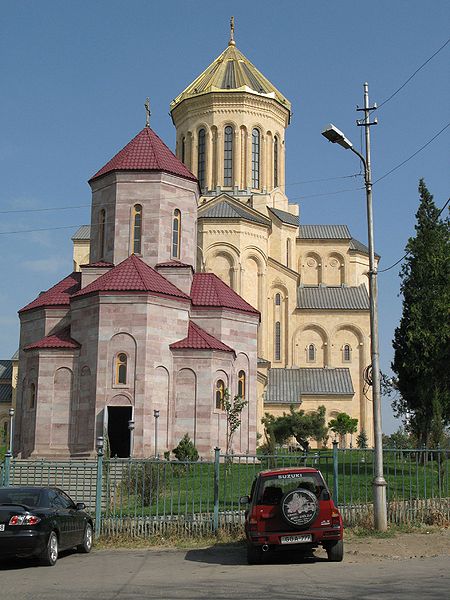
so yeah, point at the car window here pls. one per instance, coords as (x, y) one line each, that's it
(29, 497)
(65, 500)
(272, 488)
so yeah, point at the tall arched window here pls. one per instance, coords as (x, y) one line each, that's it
(220, 394)
(176, 234)
(277, 299)
(32, 395)
(311, 353)
(288, 253)
(201, 158)
(183, 150)
(101, 233)
(241, 384)
(121, 368)
(275, 161)
(255, 157)
(228, 157)
(346, 353)
(277, 340)
(137, 228)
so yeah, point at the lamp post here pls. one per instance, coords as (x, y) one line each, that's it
(131, 429)
(11, 429)
(156, 415)
(334, 135)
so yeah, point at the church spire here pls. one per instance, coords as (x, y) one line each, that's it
(147, 112)
(232, 42)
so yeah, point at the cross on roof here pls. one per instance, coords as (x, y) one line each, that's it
(148, 113)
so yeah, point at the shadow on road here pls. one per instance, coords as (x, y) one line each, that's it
(235, 554)
(14, 564)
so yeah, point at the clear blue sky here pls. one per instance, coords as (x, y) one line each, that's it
(75, 75)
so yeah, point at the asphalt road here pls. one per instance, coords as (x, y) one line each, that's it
(221, 573)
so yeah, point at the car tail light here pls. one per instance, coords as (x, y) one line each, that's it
(253, 521)
(335, 517)
(24, 520)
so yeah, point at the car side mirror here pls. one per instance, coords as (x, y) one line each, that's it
(244, 500)
(325, 495)
(80, 506)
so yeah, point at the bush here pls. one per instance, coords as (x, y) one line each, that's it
(147, 480)
(186, 451)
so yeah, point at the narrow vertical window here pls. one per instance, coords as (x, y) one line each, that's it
(32, 395)
(183, 150)
(346, 353)
(176, 234)
(311, 353)
(220, 394)
(275, 161)
(121, 368)
(241, 385)
(288, 253)
(228, 157)
(137, 229)
(255, 158)
(201, 158)
(278, 340)
(277, 299)
(101, 233)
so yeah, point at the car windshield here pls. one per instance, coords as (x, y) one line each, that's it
(28, 497)
(273, 487)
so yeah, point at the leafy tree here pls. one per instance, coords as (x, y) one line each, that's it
(186, 450)
(233, 410)
(362, 439)
(297, 424)
(422, 340)
(400, 439)
(343, 424)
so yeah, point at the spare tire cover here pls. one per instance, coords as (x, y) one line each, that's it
(299, 507)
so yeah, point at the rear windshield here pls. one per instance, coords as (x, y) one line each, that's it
(28, 497)
(273, 487)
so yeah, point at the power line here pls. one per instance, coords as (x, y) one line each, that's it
(415, 73)
(413, 155)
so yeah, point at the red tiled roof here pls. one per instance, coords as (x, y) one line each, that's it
(198, 339)
(132, 275)
(58, 295)
(173, 264)
(208, 290)
(60, 339)
(146, 152)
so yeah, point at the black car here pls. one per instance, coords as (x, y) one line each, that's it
(41, 521)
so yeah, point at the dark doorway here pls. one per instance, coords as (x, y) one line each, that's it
(118, 432)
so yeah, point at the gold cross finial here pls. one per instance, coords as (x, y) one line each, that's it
(148, 113)
(232, 42)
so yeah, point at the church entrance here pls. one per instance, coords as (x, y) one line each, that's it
(118, 432)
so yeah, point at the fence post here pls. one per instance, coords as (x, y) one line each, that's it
(216, 489)
(335, 472)
(98, 490)
(7, 468)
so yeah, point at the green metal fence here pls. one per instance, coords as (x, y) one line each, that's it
(135, 497)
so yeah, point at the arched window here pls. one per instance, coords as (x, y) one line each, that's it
(277, 299)
(255, 158)
(311, 353)
(347, 353)
(183, 150)
(228, 157)
(241, 384)
(275, 161)
(220, 394)
(32, 395)
(201, 158)
(288, 253)
(176, 233)
(137, 228)
(101, 233)
(278, 340)
(121, 368)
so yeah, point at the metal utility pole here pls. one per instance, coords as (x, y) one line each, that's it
(379, 483)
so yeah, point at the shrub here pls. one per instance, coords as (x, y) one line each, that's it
(146, 480)
(186, 451)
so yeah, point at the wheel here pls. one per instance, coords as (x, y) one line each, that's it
(335, 551)
(299, 508)
(254, 555)
(86, 546)
(50, 555)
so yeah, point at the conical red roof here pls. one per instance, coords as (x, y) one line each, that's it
(58, 295)
(208, 290)
(132, 275)
(146, 152)
(198, 339)
(60, 339)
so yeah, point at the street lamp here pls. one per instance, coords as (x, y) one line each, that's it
(334, 135)
(156, 415)
(11, 429)
(131, 429)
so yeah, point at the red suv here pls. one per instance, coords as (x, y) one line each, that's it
(292, 507)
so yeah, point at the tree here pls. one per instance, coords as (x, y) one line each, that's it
(186, 450)
(422, 339)
(233, 410)
(361, 440)
(343, 424)
(297, 424)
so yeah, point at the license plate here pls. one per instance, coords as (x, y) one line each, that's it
(2, 527)
(296, 539)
